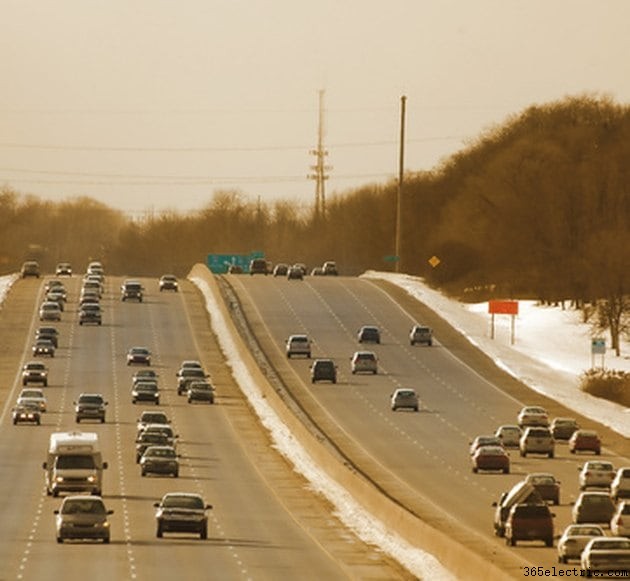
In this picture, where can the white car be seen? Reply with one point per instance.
(533, 416)
(606, 554)
(33, 395)
(364, 362)
(298, 345)
(620, 522)
(510, 435)
(596, 473)
(50, 311)
(574, 539)
(620, 486)
(405, 398)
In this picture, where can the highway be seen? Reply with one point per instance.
(421, 459)
(265, 524)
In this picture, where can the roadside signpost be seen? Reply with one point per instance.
(598, 347)
(503, 308)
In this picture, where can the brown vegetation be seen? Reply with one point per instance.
(607, 384)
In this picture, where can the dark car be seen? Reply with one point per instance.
(26, 413)
(529, 522)
(139, 355)
(563, 428)
(258, 266)
(145, 391)
(63, 269)
(235, 269)
(159, 460)
(491, 458)
(44, 347)
(546, 485)
(585, 441)
(30, 268)
(200, 391)
(182, 512)
(131, 290)
(188, 374)
(34, 372)
(280, 269)
(323, 370)
(90, 406)
(48, 333)
(329, 268)
(369, 334)
(145, 375)
(421, 334)
(144, 440)
(90, 313)
(593, 507)
(295, 273)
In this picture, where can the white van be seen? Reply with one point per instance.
(74, 463)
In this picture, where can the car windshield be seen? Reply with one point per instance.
(586, 531)
(406, 393)
(83, 506)
(91, 399)
(70, 462)
(192, 502)
(611, 545)
(153, 438)
(160, 452)
(605, 466)
(542, 480)
(154, 418)
(146, 386)
(34, 393)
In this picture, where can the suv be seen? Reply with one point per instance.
(537, 440)
(258, 266)
(200, 391)
(63, 269)
(168, 282)
(368, 334)
(330, 268)
(48, 333)
(420, 334)
(620, 486)
(90, 406)
(323, 370)
(131, 289)
(597, 474)
(34, 372)
(82, 517)
(90, 313)
(298, 345)
(527, 522)
(182, 512)
(364, 361)
(50, 311)
(30, 268)
(404, 398)
(187, 375)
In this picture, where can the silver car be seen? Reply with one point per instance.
(50, 311)
(82, 517)
(421, 334)
(405, 398)
(537, 440)
(298, 345)
(574, 539)
(364, 362)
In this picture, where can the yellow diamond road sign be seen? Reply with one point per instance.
(434, 261)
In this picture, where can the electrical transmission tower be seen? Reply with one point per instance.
(320, 168)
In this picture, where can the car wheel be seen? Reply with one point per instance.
(159, 533)
(598, 452)
(506, 471)
(45, 384)
(176, 474)
(106, 540)
(157, 402)
(475, 469)
(15, 422)
(549, 542)
(143, 473)
(551, 454)
(189, 400)
(59, 540)
(55, 493)
(203, 533)
(77, 420)
(415, 409)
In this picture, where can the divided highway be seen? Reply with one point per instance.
(420, 459)
(265, 523)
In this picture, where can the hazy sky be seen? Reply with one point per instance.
(155, 104)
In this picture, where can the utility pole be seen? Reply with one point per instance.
(401, 171)
(320, 167)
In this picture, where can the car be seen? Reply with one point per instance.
(63, 269)
(182, 512)
(30, 268)
(329, 268)
(298, 345)
(49, 311)
(235, 269)
(369, 334)
(188, 374)
(620, 486)
(563, 428)
(43, 347)
(404, 398)
(529, 522)
(620, 521)
(364, 362)
(593, 507)
(32, 395)
(58, 296)
(258, 266)
(295, 273)
(421, 334)
(533, 416)
(200, 391)
(34, 372)
(53, 283)
(163, 429)
(323, 370)
(599, 474)
(189, 363)
(547, 486)
(606, 554)
(280, 269)
(145, 375)
(510, 435)
(139, 355)
(90, 406)
(50, 333)
(168, 282)
(26, 413)
(82, 517)
(151, 417)
(483, 441)
(317, 271)
(90, 313)
(537, 440)
(490, 458)
(159, 460)
(145, 391)
(93, 286)
(585, 441)
(89, 297)
(131, 290)
(574, 539)
(144, 440)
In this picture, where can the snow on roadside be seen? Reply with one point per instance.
(6, 282)
(551, 350)
(369, 529)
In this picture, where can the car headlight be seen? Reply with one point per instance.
(91, 479)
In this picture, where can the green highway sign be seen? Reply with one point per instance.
(391, 258)
(219, 263)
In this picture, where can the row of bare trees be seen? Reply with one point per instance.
(537, 207)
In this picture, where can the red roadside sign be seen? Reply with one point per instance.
(503, 307)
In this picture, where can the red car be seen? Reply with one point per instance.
(491, 458)
(585, 441)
